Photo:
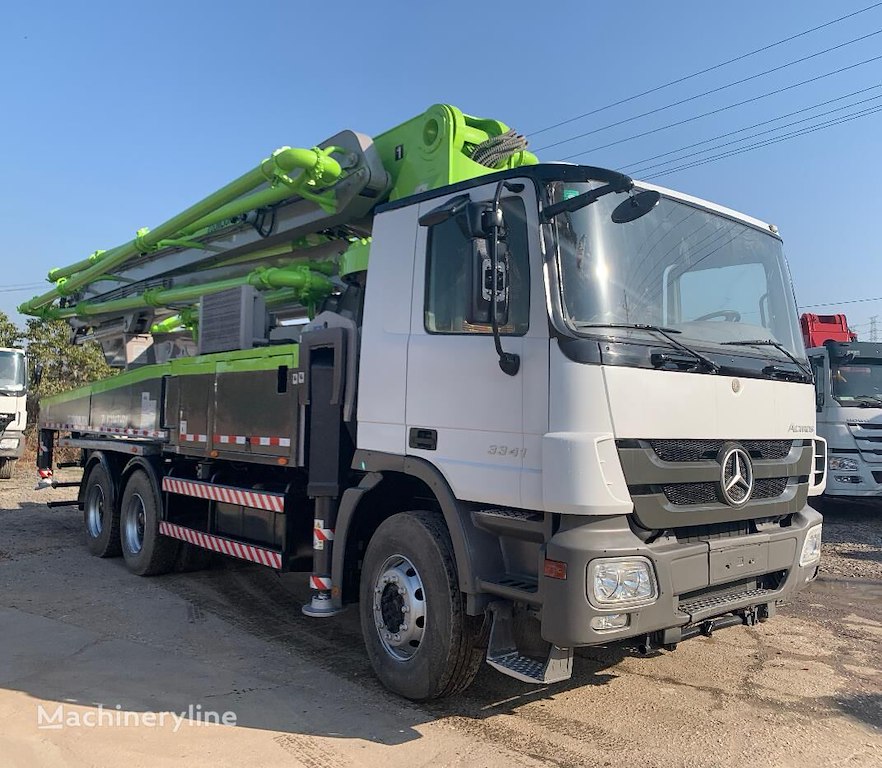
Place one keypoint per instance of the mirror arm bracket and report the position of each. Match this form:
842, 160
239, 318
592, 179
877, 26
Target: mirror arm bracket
509, 362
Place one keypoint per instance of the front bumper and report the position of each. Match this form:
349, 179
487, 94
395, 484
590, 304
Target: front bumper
12, 452
860, 483
696, 581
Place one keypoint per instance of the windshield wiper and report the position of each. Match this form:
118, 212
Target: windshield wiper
664, 332
772, 343
868, 401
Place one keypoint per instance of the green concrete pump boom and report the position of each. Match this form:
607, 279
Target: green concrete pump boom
289, 226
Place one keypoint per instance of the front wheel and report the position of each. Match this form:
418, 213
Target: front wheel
7, 467
420, 641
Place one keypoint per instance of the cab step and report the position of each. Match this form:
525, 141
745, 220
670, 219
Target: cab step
524, 589
503, 654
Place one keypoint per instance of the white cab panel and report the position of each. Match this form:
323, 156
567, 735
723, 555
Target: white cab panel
667, 404
489, 435
382, 389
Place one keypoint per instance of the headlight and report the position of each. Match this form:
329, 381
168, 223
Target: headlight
621, 581
811, 548
8, 443
843, 465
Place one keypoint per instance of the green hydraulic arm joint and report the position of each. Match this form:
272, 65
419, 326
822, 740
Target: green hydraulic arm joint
355, 258
186, 319
318, 169
58, 273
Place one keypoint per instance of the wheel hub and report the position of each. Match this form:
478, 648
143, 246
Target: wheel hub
135, 522
95, 511
399, 608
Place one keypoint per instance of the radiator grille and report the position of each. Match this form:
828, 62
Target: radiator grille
707, 493
702, 450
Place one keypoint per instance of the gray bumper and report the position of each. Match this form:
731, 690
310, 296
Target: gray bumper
12, 453
696, 581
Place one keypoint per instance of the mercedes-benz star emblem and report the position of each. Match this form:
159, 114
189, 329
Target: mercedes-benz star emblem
736, 477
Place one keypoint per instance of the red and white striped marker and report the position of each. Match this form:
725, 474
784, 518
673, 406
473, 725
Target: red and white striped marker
279, 442
320, 534
193, 437
104, 429
272, 502
320, 582
230, 439
259, 555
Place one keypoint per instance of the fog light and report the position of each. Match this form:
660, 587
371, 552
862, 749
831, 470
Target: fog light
610, 621
853, 479
8, 443
843, 465
622, 581
811, 547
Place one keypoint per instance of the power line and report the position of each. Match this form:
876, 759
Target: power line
21, 288
837, 303
639, 163
726, 108
643, 169
712, 90
751, 147
704, 71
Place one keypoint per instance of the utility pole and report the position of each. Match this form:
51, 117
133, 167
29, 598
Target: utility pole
874, 336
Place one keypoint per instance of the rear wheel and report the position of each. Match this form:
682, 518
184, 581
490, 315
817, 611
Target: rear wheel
420, 641
7, 467
146, 551
100, 514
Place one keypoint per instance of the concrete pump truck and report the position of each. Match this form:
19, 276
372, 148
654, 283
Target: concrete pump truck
483, 397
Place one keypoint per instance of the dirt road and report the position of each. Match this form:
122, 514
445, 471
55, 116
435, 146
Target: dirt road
80, 635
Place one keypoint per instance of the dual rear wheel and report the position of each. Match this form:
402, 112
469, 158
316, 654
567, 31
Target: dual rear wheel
129, 528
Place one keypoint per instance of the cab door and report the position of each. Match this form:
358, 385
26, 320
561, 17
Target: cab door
480, 426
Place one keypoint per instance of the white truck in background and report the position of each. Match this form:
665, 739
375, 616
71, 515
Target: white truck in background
848, 393
13, 408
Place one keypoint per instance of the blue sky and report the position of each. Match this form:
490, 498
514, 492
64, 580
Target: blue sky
116, 115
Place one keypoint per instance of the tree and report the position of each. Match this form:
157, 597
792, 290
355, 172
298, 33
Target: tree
10, 333
65, 365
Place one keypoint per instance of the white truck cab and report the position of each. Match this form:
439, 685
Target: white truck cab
13, 408
848, 382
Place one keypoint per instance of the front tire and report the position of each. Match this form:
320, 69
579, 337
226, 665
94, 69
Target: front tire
145, 550
101, 514
7, 468
420, 641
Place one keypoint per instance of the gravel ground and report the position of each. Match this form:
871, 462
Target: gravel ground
803, 689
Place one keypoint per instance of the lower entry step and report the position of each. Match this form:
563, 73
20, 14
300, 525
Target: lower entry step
503, 654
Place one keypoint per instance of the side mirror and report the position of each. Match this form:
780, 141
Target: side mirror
484, 288
37, 376
474, 219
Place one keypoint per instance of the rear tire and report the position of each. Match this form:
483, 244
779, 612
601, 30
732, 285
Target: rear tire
146, 551
420, 641
101, 514
7, 468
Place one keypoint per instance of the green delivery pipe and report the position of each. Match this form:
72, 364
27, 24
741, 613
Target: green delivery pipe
309, 285
319, 169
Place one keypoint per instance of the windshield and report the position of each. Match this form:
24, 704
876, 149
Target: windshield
12, 372
858, 382
709, 277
